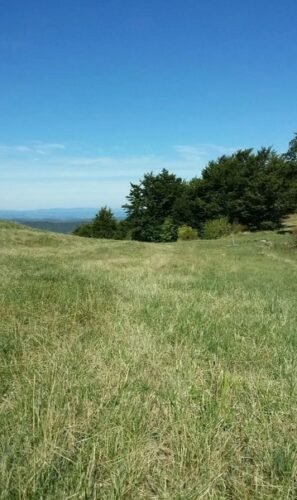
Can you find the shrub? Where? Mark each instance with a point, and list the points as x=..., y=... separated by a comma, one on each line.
x=168, y=230
x=237, y=227
x=217, y=228
x=85, y=230
x=267, y=225
x=123, y=231
x=186, y=233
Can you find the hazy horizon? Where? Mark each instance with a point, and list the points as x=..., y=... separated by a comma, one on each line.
x=56, y=213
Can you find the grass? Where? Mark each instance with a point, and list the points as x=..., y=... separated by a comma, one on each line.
x=142, y=371
x=289, y=223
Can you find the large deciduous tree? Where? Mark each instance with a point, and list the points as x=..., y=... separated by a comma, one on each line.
x=151, y=202
x=248, y=187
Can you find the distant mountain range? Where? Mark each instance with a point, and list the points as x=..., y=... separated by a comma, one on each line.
x=55, y=226
x=58, y=220
x=56, y=214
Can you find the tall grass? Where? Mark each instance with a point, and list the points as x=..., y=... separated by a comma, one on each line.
x=132, y=370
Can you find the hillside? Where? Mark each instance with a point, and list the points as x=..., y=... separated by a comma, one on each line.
x=133, y=370
x=57, y=226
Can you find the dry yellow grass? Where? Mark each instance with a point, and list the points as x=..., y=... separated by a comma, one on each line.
x=290, y=222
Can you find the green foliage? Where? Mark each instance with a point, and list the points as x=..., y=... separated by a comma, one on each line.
x=168, y=230
x=123, y=231
x=217, y=228
x=248, y=187
x=150, y=203
x=253, y=190
x=105, y=224
x=85, y=230
x=187, y=233
x=267, y=225
x=291, y=154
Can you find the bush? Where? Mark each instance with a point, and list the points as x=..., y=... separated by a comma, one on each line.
x=168, y=230
x=267, y=225
x=123, y=231
x=237, y=227
x=85, y=230
x=186, y=233
x=217, y=228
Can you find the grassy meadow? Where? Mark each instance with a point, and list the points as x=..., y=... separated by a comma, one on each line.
x=147, y=371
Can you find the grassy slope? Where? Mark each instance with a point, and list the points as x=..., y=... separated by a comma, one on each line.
x=133, y=370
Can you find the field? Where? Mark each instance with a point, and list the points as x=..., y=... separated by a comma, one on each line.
x=147, y=371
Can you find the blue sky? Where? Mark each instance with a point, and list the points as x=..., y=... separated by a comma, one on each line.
x=95, y=93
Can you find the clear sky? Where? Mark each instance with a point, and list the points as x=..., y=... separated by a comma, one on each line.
x=94, y=93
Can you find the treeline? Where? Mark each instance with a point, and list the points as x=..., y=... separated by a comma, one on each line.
x=246, y=190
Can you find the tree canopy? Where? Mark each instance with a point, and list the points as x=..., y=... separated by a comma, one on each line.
x=150, y=203
x=104, y=225
x=252, y=189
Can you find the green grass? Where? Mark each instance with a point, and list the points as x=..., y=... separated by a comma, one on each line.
x=142, y=371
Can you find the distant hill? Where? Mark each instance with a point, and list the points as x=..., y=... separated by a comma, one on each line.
x=56, y=226
x=58, y=220
x=55, y=214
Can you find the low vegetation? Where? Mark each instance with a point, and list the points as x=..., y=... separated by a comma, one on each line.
x=133, y=370
x=187, y=233
x=217, y=228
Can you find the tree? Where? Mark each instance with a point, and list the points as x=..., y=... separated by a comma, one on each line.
x=291, y=154
x=104, y=224
x=184, y=209
x=289, y=193
x=247, y=187
x=150, y=202
x=253, y=189
x=123, y=230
